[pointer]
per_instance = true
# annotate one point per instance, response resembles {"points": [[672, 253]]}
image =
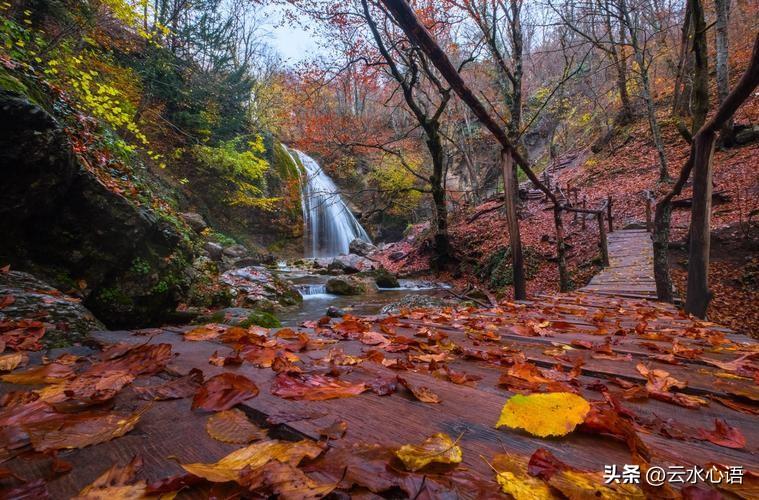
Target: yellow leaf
{"points": [[511, 475], [550, 414], [11, 361], [579, 485], [439, 448], [254, 456]]}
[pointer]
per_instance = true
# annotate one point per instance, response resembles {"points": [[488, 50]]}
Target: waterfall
{"points": [[330, 225]]}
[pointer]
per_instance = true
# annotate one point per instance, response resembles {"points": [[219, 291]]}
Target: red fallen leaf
{"points": [[144, 359], [179, 388], [373, 338], [543, 464], [224, 391], [22, 335], [734, 405], [382, 386], [7, 300], [300, 340], [724, 435], [217, 360], [585, 344], [314, 387], [422, 393], [283, 364], [45, 374], [461, 377], [603, 419]]}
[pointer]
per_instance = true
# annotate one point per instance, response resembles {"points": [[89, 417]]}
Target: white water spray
{"points": [[330, 225]]}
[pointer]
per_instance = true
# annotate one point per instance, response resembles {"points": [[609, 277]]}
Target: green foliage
{"points": [[242, 166], [140, 266], [396, 185], [498, 272], [261, 318]]}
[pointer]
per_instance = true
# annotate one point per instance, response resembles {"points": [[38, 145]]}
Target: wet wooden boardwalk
{"points": [[605, 338], [631, 270]]}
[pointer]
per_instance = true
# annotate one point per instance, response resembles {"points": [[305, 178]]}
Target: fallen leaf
{"points": [[45, 374], [217, 360], [143, 359], [9, 362], [512, 477], [210, 331], [254, 456], [550, 414], [233, 426], [420, 392], [334, 431], [182, 387], [82, 431], [285, 481], [223, 391], [117, 483], [314, 387], [438, 448], [724, 435]]}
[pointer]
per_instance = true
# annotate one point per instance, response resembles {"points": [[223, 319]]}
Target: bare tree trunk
{"points": [[435, 147], [663, 215], [640, 58], [723, 68], [699, 295], [517, 260], [704, 139], [561, 253]]}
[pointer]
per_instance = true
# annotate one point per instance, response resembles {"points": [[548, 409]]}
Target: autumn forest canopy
{"points": [[236, 210]]}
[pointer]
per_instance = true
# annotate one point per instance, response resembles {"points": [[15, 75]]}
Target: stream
{"points": [[316, 300]]}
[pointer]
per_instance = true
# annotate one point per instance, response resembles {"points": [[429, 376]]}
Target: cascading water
{"points": [[330, 225]]}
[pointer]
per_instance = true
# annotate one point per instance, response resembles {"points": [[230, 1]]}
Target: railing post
{"points": [[649, 222], [584, 207], [608, 212], [603, 244]]}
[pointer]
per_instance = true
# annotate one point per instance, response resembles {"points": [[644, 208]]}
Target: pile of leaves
{"points": [[51, 406]]}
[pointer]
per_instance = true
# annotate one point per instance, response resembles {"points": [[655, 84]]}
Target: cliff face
{"points": [[61, 222]]}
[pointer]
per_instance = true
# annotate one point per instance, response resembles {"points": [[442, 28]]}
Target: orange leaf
{"points": [[223, 391]]}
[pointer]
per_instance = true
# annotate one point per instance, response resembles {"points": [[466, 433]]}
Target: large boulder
{"points": [[214, 250], [351, 264], [66, 319], [194, 220], [386, 279], [62, 222], [259, 288], [361, 247], [346, 286]]}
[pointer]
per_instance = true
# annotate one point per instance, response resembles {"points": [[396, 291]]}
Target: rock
{"points": [[236, 251], [478, 294], [66, 319], [259, 288], [351, 264], [214, 250], [345, 286], [386, 279], [194, 220], [334, 312], [414, 301], [61, 222], [361, 247], [396, 256], [747, 134]]}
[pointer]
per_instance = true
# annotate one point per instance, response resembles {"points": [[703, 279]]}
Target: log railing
{"points": [[599, 214]]}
